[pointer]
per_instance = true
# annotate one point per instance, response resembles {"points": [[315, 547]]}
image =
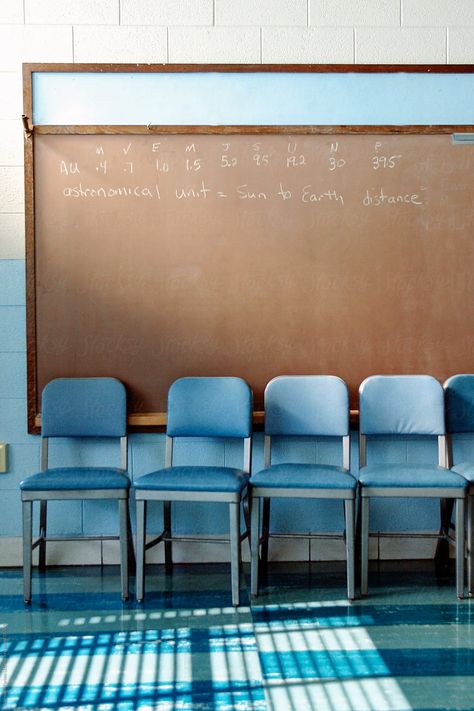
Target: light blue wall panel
{"points": [[252, 98], [12, 328], [23, 460], [12, 374], [64, 517], [11, 513], [400, 514], [13, 419], [12, 282]]}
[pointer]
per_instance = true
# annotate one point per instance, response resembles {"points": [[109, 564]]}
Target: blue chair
{"points": [[78, 407], [406, 405], [459, 397], [303, 406], [215, 407]]}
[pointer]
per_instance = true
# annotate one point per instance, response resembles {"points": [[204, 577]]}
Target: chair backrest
{"points": [[209, 407], [459, 399], [84, 407], [401, 405], [307, 405]]}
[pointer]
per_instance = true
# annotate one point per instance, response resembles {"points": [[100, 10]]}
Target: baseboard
{"points": [[299, 549]]}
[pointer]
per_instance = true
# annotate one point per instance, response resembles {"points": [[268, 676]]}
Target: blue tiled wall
{"points": [[147, 453]]}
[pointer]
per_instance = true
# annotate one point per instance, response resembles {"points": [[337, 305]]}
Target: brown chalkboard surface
{"points": [[251, 254]]}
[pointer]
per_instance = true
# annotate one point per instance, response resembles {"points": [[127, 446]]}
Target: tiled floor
{"points": [[301, 645]]}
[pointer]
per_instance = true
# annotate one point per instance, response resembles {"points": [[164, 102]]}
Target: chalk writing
{"points": [[379, 197], [201, 192], [307, 195], [139, 191], [68, 168]]}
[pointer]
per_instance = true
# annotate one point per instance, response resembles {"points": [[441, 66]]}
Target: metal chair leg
{"points": [[234, 525], [470, 544], [123, 523], [42, 532], [364, 545], [167, 533], [265, 531], [141, 532], [349, 510], [254, 539], [27, 509], [460, 547]]}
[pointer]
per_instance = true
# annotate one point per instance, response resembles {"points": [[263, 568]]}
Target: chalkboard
{"points": [[323, 225], [252, 254]]}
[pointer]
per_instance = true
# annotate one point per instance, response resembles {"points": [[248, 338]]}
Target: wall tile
{"points": [[11, 189], [23, 460], [220, 44], [11, 513], [348, 13], [11, 142], [120, 44], [12, 282], [28, 43], [264, 12], [13, 375], [167, 12], [461, 45], [381, 45], [12, 328], [437, 13], [404, 514], [11, 11], [71, 12], [307, 46], [12, 231], [11, 91], [13, 422]]}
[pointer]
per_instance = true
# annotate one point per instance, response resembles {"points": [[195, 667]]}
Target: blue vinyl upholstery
{"points": [[304, 476], [307, 405], [406, 405], [192, 478], [409, 476], [459, 394], [76, 478], [84, 407], [303, 406], [459, 398], [401, 405], [466, 470], [215, 407], [209, 407]]}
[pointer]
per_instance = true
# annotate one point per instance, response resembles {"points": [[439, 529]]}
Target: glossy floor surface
{"points": [[300, 645]]}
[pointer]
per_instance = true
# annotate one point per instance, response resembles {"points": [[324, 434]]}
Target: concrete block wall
{"points": [[207, 31]]}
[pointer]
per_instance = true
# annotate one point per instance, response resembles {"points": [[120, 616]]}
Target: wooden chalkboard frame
{"points": [[156, 421]]}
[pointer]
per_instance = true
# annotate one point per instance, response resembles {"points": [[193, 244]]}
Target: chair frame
{"points": [[267, 493], [412, 492], [234, 539], [43, 496]]}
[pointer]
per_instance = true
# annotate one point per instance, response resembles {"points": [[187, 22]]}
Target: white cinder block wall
{"points": [[156, 31]]}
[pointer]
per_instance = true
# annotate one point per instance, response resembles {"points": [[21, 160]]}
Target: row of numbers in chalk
{"points": [[194, 165]]}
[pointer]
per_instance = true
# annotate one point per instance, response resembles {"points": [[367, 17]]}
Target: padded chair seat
{"points": [[466, 470], [81, 478], [189, 478], [415, 477], [304, 476]]}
